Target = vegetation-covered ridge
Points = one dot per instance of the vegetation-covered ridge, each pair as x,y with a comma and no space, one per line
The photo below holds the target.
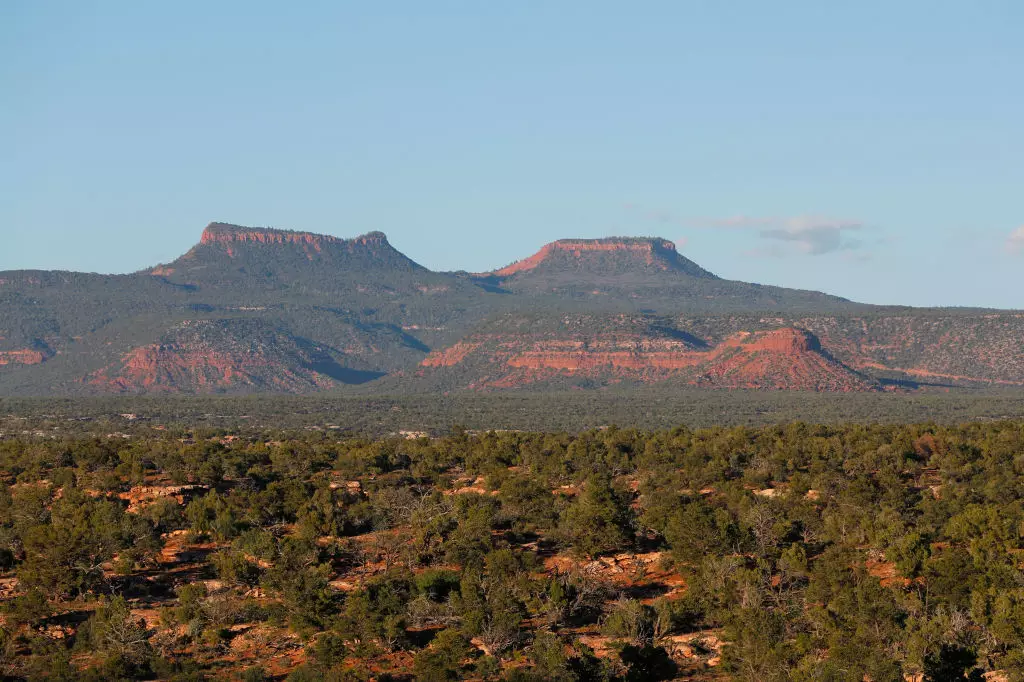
323,313
794,552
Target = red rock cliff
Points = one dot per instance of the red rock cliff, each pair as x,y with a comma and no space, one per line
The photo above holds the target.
224,234
787,340
653,252
21,357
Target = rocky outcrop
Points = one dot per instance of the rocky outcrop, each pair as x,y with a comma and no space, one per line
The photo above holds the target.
785,358
230,355
615,352
176,368
786,340
26,356
610,254
588,361
647,249
226,250
449,357
223,234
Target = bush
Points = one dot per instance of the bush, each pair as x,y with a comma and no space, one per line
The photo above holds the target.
123,640
443,660
598,521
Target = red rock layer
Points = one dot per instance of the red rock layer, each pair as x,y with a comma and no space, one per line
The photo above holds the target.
21,357
781,359
647,248
787,340
586,361
172,368
616,352
227,235
449,356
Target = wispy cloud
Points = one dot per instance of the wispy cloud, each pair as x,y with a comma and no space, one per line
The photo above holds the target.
815,239
792,224
1015,242
808,234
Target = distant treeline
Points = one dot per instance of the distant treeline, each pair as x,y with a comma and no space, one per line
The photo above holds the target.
572,411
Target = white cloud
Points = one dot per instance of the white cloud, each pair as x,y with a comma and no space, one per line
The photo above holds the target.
1015,242
815,238
810,234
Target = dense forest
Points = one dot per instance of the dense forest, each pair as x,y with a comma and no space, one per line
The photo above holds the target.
786,552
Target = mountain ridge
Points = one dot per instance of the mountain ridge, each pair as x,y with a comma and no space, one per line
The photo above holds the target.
250,309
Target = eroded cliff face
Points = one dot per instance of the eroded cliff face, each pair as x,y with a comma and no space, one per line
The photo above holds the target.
227,235
25,356
785,340
617,352
234,240
786,358
449,357
200,356
222,233
181,368
613,255
653,252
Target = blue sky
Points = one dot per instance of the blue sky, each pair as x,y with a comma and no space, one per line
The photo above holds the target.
871,149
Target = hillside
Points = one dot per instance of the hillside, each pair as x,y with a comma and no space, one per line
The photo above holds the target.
643,272
787,359
232,355
266,310
611,256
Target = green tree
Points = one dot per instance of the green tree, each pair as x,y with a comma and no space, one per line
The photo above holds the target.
598,520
